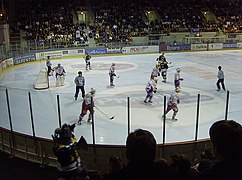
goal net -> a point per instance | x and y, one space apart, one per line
42 81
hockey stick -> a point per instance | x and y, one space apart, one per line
110 118
117 76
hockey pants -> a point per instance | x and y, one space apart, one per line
111 78
77 91
174 108
148 96
60 80
86 108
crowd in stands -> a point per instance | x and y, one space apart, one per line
116 21
229 15
222 162
182 16
51 21
119 21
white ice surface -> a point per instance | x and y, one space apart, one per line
199 70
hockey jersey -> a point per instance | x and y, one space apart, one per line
60 70
151 86
112 71
174 99
88 98
79 81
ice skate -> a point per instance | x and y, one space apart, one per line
173 119
80 119
89 121
150 101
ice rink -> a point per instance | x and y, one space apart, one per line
199 70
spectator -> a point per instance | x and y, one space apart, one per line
141 152
66 148
208 154
207 160
114 165
181 168
226 137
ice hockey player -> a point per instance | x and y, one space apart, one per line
87 105
177 79
163 66
155 73
150 90
173 101
80 83
88 61
60 75
112 74
48 64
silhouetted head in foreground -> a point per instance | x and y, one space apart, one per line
141 146
226 136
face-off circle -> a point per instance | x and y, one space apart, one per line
100 67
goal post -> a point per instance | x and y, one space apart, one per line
42 81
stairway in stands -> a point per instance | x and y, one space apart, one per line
15 39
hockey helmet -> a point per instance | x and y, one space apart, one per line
79 72
113 64
178 69
93 91
59 64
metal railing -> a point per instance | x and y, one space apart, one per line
31 141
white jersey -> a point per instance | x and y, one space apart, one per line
177 76
155 72
112 71
59 70
174 99
151 86
152 83
87 98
